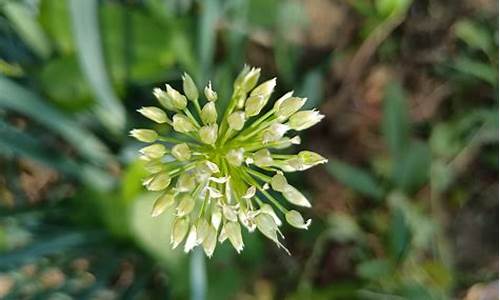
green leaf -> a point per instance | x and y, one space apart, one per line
313 88
63 82
399 236
55 20
24 22
474 35
395 123
387 8
143 51
483 71
374 269
85 27
209 16
16 142
413 168
357 179
21 100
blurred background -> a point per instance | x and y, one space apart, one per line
406 208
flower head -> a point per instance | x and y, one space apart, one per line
222 176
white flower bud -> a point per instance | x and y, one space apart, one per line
185 182
179 231
278 102
210 241
182 124
264 89
154 113
210 94
154 151
208 134
311 159
235 157
279 182
274 132
191 240
247 79
295 219
157 182
177 99
229 213
216 218
144 135
189 87
209 113
186 205
202 228
154 166
268 209
262 158
295 197
304 119
181 152
288 107
163 202
233 232
254 105
266 225
236 120
250 192
164 99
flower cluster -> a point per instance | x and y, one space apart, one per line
225 169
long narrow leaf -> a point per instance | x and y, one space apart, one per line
17 98
88 40
28 28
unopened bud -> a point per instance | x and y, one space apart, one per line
177 99
295 197
179 231
254 105
229 213
216 218
154 151
208 134
202 228
279 183
181 152
304 119
265 89
311 159
182 124
154 113
210 94
274 132
236 120
186 205
189 87
233 232
163 202
295 219
144 135
210 241
190 240
185 182
209 113
280 101
262 158
235 157
158 182
247 79
289 106
163 98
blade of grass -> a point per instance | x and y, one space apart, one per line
84 17
28 28
21 100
